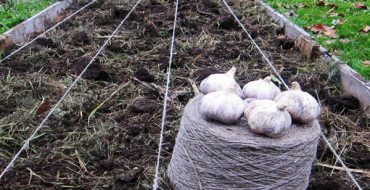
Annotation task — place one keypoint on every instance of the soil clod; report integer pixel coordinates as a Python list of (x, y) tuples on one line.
[(145, 105), (80, 38), (144, 75)]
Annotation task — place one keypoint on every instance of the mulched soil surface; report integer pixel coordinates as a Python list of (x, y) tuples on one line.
[(101, 138)]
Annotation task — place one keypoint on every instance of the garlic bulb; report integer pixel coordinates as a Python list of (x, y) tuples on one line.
[(218, 82), (301, 105), (223, 106), (261, 89), (251, 104), (272, 121)]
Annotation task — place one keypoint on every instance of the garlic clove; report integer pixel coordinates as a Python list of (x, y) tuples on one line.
[(223, 106), (261, 89), (271, 121), (219, 82), (301, 105)]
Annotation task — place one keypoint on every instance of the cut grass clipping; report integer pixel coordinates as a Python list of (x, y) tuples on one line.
[(13, 12), (340, 26)]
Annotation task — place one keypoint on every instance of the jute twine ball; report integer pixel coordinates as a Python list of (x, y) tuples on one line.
[(209, 155)]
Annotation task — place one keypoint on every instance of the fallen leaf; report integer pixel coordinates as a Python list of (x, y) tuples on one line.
[(43, 108), (360, 6), (331, 33), (366, 29), (320, 3), (323, 29), (367, 63)]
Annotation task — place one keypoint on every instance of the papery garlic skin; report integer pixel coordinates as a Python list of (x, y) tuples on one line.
[(301, 105), (261, 89), (223, 106), (271, 121), (219, 82), (251, 104)]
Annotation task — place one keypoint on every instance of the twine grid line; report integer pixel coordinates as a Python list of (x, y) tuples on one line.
[(27, 142), (286, 86), (156, 177), (48, 30)]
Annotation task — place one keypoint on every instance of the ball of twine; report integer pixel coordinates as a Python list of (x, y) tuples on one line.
[(209, 155)]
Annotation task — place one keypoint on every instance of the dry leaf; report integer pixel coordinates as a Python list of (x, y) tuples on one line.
[(366, 29), (367, 63), (360, 6), (43, 108), (323, 29), (331, 33)]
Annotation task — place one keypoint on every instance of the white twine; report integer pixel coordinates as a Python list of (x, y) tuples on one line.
[(61, 22), (156, 178), (273, 68), (27, 142)]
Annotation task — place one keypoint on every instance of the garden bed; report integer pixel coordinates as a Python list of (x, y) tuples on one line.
[(115, 146)]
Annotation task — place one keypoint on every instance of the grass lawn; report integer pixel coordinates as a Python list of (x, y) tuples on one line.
[(14, 12), (348, 38)]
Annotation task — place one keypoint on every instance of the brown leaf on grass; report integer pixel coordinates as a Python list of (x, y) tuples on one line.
[(43, 108), (323, 29), (366, 63), (360, 6), (366, 29)]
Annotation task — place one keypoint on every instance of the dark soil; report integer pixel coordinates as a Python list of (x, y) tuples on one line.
[(101, 138)]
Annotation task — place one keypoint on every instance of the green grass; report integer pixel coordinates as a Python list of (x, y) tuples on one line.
[(14, 12), (352, 45)]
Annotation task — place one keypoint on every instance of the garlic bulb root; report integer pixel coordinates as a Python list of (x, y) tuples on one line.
[(223, 106), (301, 105), (220, 82), (261, 89)]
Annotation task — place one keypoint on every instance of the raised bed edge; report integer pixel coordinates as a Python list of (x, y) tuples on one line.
[(351, 81), (38, 23)]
